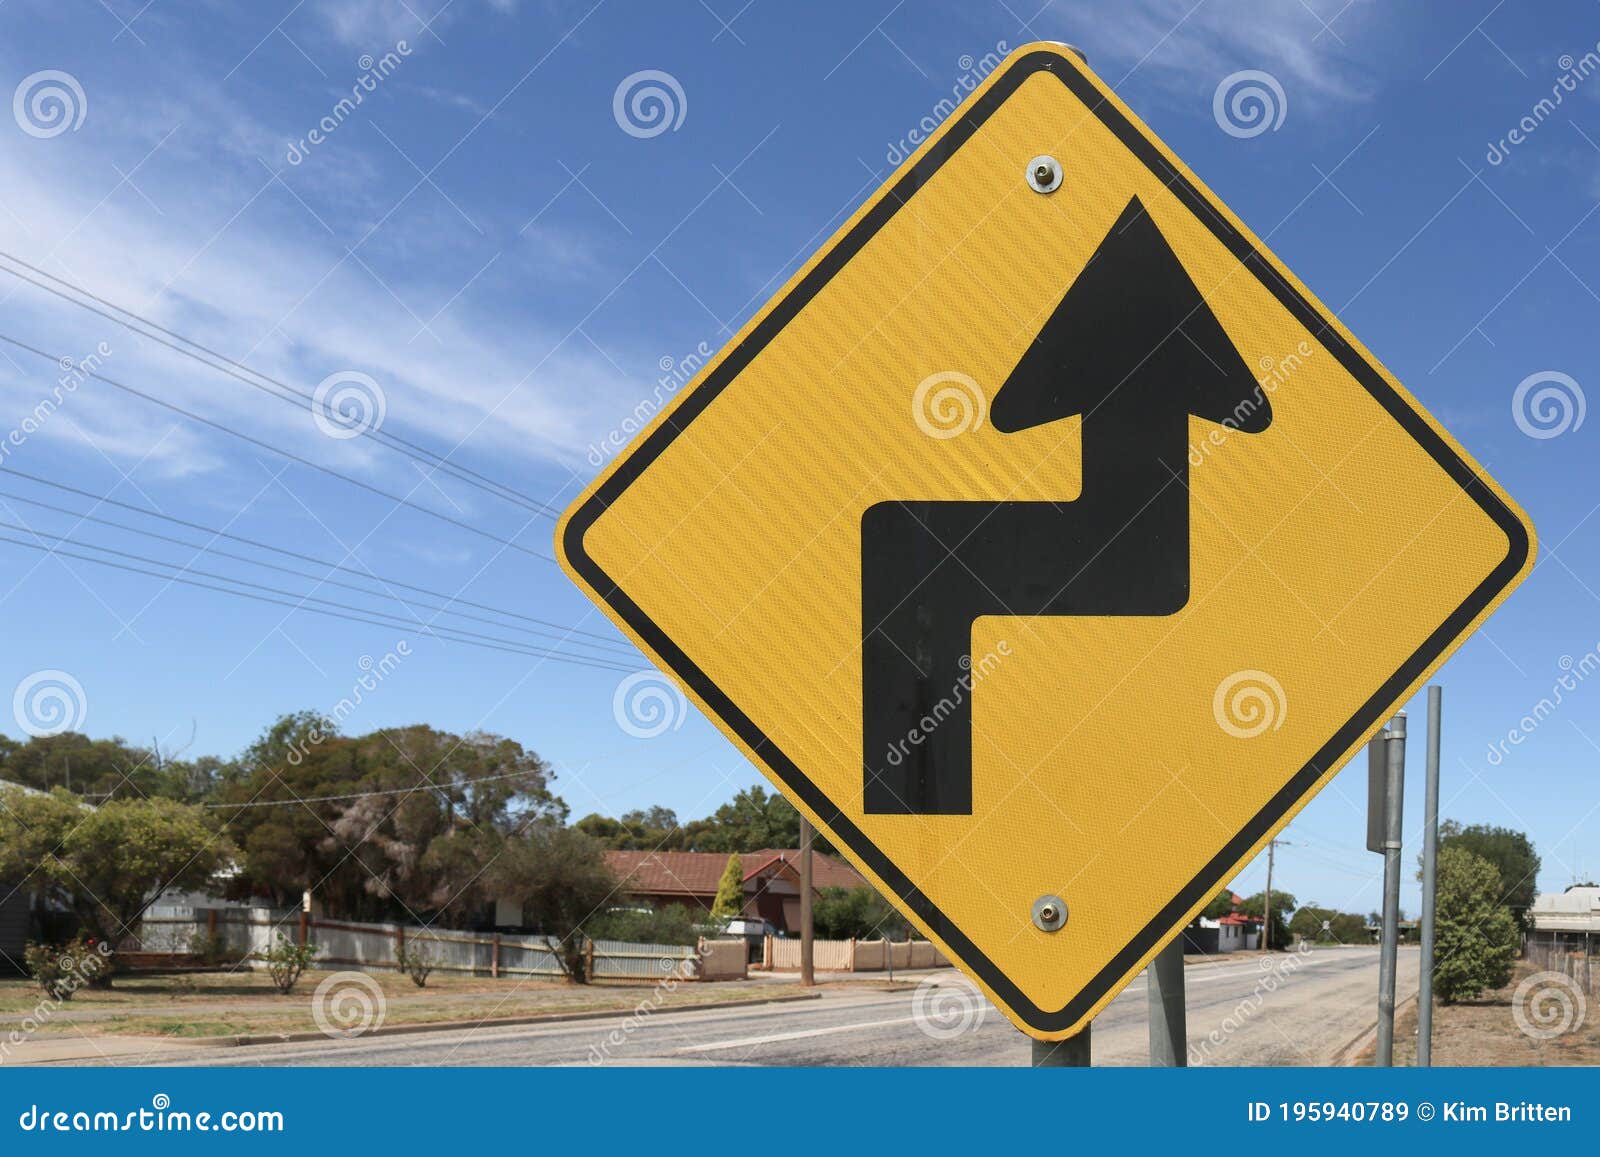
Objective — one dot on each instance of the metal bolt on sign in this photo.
(1049, 913)
(1044, 174)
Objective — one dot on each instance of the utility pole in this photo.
(1393, 805)
(1430, 860)
(807, 973)
(1266, 906)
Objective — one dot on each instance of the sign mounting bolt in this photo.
(1049, 913)
(1044, 174)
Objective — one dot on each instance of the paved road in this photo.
(1289, 1010)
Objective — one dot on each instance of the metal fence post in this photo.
(1430, 858)
(1394, 796)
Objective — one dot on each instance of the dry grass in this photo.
(240, 1003)
(1485, 1032)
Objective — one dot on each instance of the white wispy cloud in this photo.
(204, 240)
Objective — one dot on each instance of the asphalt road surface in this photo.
(1291, 1009)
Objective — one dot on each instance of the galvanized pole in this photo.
(1430, 858)
(808, 975)
(1266, 902)
(1169, 1038)
(1072, 1053)
(1394, 795)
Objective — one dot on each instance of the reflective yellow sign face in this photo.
(1046, 542)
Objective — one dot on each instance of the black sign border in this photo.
(794, 779)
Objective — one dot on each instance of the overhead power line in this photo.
(275, 388)
(290, 455)
(362, 572)
(299, 603)
(542, 632)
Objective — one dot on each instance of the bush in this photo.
(856, 913)
(61, 969)
(416, 962)
(1477, 939)
(286, 960)
(673, 924)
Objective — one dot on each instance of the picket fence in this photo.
(247, 934)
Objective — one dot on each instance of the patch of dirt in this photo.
(1487, 1032)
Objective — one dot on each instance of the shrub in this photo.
(672, 924)
(1477, 935)
(61, 969)
(416, 962)
(286, 960)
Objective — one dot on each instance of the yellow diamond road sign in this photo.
(1046, 542)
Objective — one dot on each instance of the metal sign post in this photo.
(1430, 859)
(1393, 800)
(1072, 1053)
(1169, 1044)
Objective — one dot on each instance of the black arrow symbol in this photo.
(1135, 350)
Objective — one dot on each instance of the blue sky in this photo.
(482, 239)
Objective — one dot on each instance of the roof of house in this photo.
(698, 873)
(1575, 910)
(1239, 918)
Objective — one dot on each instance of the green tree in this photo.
(398, 823)
(560, 879)
(730, 890)
(1282, 904)
(107, 863)
(1476, 937)
(754, 820)
(1511, 852)
(1219, 906)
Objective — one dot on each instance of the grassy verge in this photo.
(213, 1005)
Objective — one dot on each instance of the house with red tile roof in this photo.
(771, 880)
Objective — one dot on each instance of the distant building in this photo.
(1234, 932)
(771, 880)
(1566, 920)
